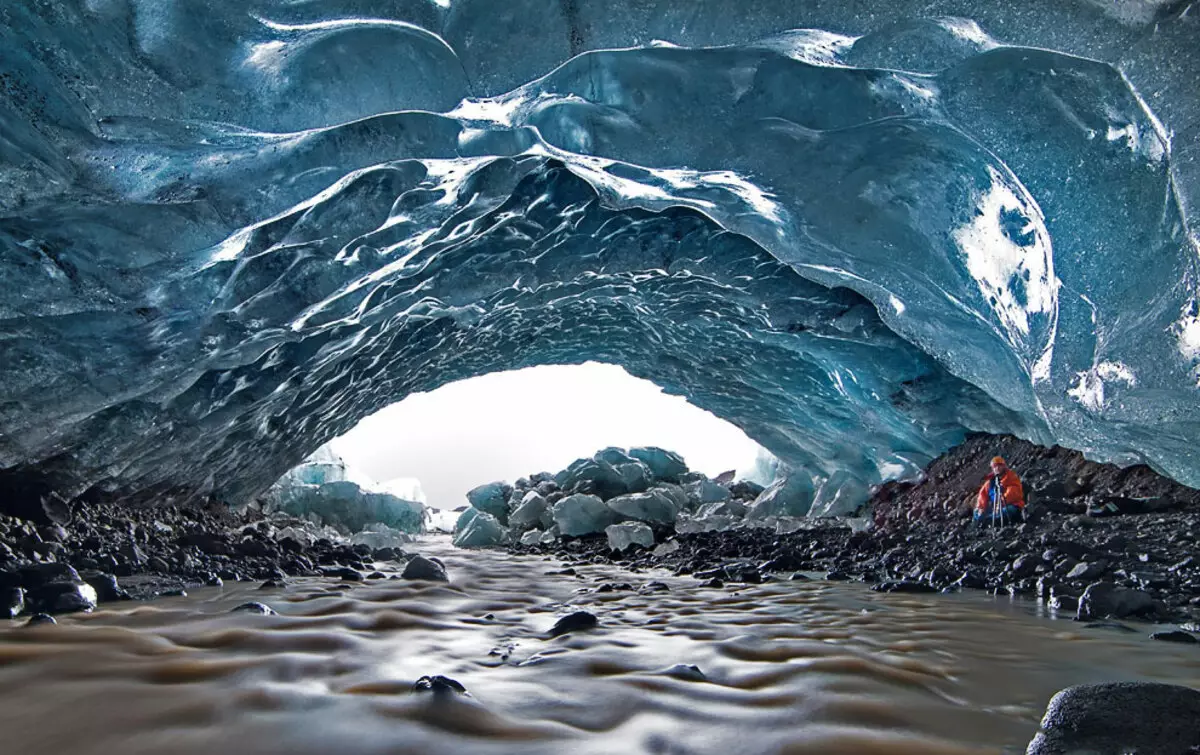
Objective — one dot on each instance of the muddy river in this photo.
(785, 667)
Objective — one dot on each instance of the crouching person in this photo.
(1001, 498)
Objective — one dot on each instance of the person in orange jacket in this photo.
(1001, 498)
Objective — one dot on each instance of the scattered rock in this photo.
(1120, 717)
(1175, 635)
(438, 686)
(904, 587)
(1106, 600)
(40, 619)
(427, 569)
(344, 573)
(574, 622)
(106, 586)
(12, 602)
(683, 671)
(254, 607)
(1087, 571)
(63, 597)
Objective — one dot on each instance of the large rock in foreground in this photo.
(1118, 718)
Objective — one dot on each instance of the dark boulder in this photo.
(40, 619)
(254, 607)
(1106, 600)
(574, 622)
(106, 586)
(1120, 717)
(1175, 635)
(37, 575)
(12, 602)
(439, 686)
(63, 597)
(344, 573)
(904, 586)
(427, 569)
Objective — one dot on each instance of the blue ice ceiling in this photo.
(858, 230)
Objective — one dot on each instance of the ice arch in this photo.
(226, 236)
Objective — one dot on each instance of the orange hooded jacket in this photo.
(1010, 489)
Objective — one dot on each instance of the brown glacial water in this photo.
(790, 667)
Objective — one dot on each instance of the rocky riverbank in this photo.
(1139, 561)
(105, 553)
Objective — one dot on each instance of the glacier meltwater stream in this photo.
(788, 667)
(857, 229)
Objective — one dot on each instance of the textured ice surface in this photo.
(654, 505)
(228, 231)
(706, 491)
(478, 531)
(347, 504)
(492, 498)
(621, 536)
(786, 496)
(321, 489)
(582, 514)
(530, 512)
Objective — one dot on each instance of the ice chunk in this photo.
(481, 531)
(635, 476)
(348, 505)
(322, 466)
(550, 535)
(621, 536)
(731, 508)
(613, 455)
(532, 537)
(530, 512)
(582, 514)
(705, 491)
(665, 465)
(787, 496)
(687, 524)
(654, 505)
(465, 518)
(381, 536)
(492, 498)
(842, 494)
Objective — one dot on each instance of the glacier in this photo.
(857, 230)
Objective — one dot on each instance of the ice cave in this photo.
(855, 230)
(887, 240)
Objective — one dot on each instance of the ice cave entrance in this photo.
(506, 425)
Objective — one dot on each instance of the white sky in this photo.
(506, 425)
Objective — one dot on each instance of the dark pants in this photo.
(1009, 514)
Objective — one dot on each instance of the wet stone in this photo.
(40, 619)
(683, 671)
(254, 607)
(574, 622)
(1120, 717)
(106, 586)
(44, 574)
(12, 602)
(428, 569)
(439, 686)
(272, 584)
(904, 586)
(1175, 635)
(345, 573)
(63, 597)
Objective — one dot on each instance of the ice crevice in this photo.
(856, 232)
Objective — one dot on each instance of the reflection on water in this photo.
(790, 667)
